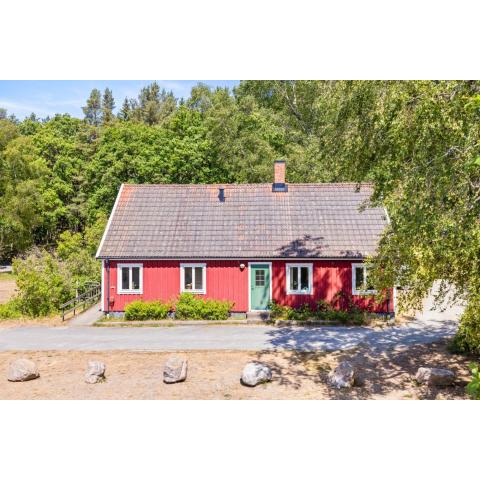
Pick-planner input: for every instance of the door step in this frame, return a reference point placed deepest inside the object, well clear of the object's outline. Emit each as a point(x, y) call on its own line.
point(256, 316)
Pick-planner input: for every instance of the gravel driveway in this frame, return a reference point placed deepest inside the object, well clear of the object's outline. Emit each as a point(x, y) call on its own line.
point(222, 337)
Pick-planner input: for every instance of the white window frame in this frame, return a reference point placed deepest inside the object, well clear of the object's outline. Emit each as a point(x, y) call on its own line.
point(203, 291)
point(129, 291)
point(288, 266)
point(354, 280)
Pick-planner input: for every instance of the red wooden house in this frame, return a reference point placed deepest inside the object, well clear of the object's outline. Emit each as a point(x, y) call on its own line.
point(246, 243)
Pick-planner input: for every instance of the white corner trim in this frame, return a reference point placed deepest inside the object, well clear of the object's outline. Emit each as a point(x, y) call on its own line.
point(354, 290)
point(102, 287)
point(310, 278)
point(120, 290)
point(203, 291)
point(110, 220)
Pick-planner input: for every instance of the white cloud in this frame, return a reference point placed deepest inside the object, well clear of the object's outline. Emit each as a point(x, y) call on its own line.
point(19, 108)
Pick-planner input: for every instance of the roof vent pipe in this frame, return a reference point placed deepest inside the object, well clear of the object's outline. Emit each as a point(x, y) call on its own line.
point(279, 184)
point(221, 194)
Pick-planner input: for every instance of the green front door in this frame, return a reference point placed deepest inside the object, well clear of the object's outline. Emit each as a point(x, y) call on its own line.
point(259, 286)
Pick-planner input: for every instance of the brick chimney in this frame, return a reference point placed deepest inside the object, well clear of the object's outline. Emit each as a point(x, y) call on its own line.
point(279, 184)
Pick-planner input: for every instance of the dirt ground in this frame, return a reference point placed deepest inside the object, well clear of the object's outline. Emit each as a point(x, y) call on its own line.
point(7, 287)
point(215, 375)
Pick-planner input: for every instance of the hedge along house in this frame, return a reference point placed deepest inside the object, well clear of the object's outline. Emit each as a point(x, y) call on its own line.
point(246, 243)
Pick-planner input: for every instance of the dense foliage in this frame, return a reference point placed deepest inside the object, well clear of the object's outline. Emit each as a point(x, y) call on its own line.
point(186, 307)
point(323, 311)
point(473, 387)
point(140, 310)
point(418, 142)
point(191, 307)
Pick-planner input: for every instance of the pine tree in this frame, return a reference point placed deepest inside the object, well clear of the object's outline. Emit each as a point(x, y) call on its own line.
point(108, 104)
point(124, 113)
point(93, 109)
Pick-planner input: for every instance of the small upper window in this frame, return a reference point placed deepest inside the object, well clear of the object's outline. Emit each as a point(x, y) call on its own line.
point(360, 283)
point(299, 278)
point(130, 278)
point(193, 277)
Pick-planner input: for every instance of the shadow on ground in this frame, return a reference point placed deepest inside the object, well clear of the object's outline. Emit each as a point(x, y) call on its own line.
point(380, 374)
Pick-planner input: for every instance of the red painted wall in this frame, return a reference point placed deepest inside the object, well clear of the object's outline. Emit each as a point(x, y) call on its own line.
point(329, 277)
point(161, 281)
point(225, 281)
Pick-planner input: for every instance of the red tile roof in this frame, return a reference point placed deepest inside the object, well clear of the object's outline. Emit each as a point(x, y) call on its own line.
point(189, 221)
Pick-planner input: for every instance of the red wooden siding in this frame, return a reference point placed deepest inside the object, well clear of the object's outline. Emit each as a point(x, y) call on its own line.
point(329, 278)
point(161, 281)
point(225, 281)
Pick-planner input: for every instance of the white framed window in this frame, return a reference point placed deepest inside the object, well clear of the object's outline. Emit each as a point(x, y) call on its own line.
point(360, 285)
point(130, 278)
point(299, 278)
point(193, 277)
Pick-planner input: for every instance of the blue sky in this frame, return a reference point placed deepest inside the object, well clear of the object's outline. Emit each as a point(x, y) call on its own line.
point(48, 97)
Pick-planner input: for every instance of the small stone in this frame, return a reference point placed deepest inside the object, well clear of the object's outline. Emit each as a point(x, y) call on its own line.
point(255, 373)
point(95, 372)
point(175, 370)
point(343, 376)
point(435, 377)
point(21, 370)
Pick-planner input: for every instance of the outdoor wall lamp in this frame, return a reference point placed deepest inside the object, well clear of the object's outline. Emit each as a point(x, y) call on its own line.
point(242, 266)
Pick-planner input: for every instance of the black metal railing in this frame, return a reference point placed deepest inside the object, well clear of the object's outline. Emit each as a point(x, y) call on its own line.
point(90, 296)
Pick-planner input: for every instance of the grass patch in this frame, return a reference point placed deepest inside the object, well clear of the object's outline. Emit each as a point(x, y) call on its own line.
point(6, 276)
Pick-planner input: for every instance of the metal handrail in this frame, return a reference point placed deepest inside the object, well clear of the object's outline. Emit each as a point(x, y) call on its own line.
point(87, 298)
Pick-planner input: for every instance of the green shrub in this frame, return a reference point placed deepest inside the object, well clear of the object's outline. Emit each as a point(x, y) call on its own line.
point(323, 306)
point(467, 338)
point(473, 388)
point(11, 309)
point(44, 282)
point(323, 311)
point(277, 311)
point(190, 307)
point(335, 316)
point(301, 314)
point(139, 310)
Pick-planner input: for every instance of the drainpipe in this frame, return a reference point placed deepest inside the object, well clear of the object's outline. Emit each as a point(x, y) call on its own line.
point(108, 286)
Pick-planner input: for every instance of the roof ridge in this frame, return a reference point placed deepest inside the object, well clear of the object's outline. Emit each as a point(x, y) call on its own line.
point(318, 184)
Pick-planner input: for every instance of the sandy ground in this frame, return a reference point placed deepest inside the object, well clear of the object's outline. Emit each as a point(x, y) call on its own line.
point(215, 375)
point(7, 287)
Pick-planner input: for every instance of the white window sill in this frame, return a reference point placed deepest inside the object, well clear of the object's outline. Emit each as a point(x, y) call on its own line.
point(130, 292)
point(298, 292)
point(364, 292)
point(196, 292)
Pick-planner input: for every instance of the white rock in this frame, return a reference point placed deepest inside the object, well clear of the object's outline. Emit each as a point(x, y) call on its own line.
point(175, 370)
point(21, 370)
point(438, 377)
point(255, 373)
point(95, 372)
point(343, 376)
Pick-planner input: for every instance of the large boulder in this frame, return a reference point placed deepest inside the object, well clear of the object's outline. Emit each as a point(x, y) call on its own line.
point(255, 373)
point(175, 370)
point(21, 370)
point(435, 377)
point(95, 372)
point(343, 376)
